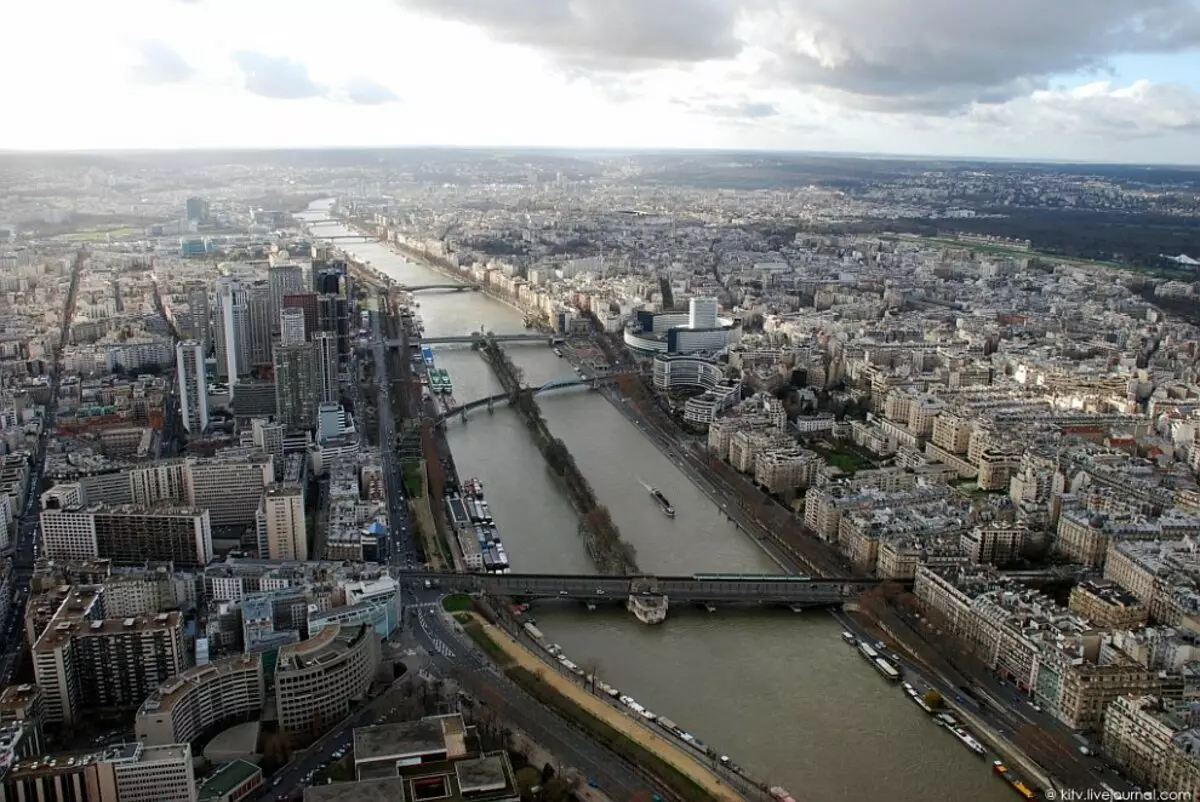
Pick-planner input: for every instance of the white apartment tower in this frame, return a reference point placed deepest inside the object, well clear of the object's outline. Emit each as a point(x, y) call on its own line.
point(282, 523)
point(233, 323)
point(193, 389)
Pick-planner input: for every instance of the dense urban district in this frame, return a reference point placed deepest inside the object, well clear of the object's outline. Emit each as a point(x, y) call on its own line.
point(953, 405)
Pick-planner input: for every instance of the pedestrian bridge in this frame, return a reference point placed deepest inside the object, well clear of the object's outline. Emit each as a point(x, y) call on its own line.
point(796, 591)
point(501, 398)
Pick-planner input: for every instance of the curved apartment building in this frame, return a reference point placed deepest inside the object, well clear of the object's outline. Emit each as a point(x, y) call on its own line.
point(199, 700)
point(673, 371)
point(317, 679)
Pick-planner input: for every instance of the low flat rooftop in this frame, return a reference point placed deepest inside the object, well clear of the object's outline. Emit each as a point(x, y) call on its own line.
point(385, 790)
point(395, 741)
point(227, 778)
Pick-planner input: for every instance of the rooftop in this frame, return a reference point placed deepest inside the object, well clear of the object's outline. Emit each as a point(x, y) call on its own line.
point(389, 789)
point(328, 644)
point(227, 778)
point(427, 736)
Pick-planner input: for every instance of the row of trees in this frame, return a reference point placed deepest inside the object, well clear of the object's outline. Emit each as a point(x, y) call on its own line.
point(610, 553)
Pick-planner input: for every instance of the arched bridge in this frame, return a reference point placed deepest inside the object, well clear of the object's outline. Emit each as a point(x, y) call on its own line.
point(446, 287)
point(500, 398)
point(800, 591)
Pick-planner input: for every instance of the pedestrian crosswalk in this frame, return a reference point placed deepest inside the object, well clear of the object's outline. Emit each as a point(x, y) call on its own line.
point(439, 645)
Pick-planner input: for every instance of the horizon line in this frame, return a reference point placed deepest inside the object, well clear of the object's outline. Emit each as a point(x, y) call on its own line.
point(877, 155)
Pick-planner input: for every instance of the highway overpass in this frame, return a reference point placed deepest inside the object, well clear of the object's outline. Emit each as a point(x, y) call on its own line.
point(793, 591)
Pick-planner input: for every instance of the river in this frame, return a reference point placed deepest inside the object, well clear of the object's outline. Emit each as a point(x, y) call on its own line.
point(778, 691)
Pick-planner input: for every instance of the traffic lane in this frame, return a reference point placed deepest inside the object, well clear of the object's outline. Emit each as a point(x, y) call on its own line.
point(552, 730)
point(1008, 721)
point(321, 751)
point(548, 730)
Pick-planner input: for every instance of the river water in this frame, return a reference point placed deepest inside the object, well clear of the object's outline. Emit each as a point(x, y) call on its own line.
point(777, 691)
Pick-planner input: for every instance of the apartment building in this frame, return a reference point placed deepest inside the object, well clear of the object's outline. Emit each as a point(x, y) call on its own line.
point(281, 522)
point(128, 535)
point(83, 660)
point(229, 485)
point(783, 471)
point(1107, 605)
point(1162, 574)
point(1049, 653)
point(201, 700)
point(316, 680)
point(1153, 743)
point(995, 543)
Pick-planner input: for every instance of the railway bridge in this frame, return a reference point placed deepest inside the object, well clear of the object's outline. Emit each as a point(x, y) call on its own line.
point(794, 591)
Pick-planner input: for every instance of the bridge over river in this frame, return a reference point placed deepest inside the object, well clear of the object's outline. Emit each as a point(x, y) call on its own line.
point(794, 591)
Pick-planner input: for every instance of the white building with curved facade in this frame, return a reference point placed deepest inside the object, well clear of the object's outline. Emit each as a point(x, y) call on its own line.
point(679, 371)
point(698, 329)
point(317, 679)
point(202, 699)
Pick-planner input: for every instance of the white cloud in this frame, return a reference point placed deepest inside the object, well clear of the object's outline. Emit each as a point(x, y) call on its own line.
point(811, 74)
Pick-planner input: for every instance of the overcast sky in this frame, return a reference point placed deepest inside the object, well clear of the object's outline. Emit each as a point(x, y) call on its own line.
point(1113, 80)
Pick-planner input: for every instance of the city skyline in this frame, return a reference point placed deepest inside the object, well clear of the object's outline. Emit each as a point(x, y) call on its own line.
point(1119, 83)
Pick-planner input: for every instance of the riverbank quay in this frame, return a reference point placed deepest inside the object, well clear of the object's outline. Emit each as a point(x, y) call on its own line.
point(523, 666)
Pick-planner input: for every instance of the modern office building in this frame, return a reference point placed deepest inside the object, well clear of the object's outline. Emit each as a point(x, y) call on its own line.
point(203, 700)
point(326, 345)
point(197, 210)
point(376, 602)
point(193, 387)
point(283, 280)
point(333, 316)
point(84, 661)
point(307, 302)
point(127, 535)
point(428, 759)
point(233, 323)
point(297, 385)
point(261, 324)
point(124, 773)
point(199, 313)
point(698, 329)
point(281, 522)
point(316, 680)
point(291, 326)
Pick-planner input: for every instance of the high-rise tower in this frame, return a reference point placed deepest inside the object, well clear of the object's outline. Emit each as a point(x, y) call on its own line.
point(193, 390)
point(283, 280)
point(296, 385)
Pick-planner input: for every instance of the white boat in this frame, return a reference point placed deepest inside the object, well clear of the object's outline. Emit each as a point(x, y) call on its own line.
point(648, 609)
point(967, 739)
point(849, 638)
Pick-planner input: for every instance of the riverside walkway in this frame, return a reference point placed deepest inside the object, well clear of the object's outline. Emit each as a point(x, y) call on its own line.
point(636, 731)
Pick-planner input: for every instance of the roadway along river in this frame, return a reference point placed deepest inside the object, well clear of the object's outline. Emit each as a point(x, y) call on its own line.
point(778, 691)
